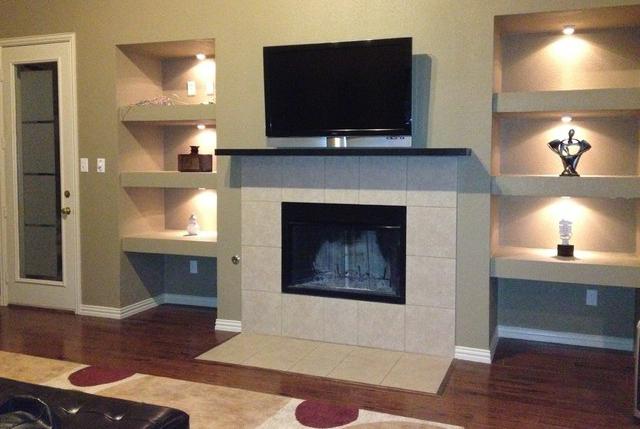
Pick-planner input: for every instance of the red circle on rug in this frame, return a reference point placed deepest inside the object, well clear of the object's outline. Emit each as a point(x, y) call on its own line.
point(316, 414)
point(94, 376)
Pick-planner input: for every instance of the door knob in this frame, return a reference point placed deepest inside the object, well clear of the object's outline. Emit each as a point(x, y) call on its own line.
point(66, 211)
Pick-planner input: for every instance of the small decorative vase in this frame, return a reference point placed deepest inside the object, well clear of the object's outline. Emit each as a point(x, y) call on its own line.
point(194, 162)
point(192, 226)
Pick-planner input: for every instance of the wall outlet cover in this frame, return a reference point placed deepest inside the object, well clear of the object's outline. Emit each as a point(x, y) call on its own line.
point(592, 297)
point(84, 165)
point(101, 165)
point(193, 266)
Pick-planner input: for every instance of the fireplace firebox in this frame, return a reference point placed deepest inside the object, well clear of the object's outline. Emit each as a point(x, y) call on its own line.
point(344, 251)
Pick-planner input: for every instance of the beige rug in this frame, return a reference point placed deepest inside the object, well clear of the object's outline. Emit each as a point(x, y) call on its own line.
point(408, 371)
point(208, 406)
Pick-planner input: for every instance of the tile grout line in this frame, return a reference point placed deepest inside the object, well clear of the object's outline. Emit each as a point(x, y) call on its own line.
point(353, 349)
point(390, 369)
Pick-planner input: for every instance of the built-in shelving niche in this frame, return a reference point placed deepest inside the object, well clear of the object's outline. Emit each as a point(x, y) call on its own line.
point(156, 200)
point(593, 76)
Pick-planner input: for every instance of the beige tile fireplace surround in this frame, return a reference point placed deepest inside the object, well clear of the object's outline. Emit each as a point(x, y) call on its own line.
point(427, 186)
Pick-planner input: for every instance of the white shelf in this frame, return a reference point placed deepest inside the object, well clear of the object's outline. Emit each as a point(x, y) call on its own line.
point(589, 100)
point(180, 114)
point(172, 242)
point(556, 186)
point(167, 179)
point(591, 268)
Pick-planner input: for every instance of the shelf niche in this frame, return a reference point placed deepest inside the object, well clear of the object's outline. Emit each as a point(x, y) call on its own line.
point(156, 200)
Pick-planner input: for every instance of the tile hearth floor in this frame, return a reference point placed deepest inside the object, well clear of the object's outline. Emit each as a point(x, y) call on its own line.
point(401, 370)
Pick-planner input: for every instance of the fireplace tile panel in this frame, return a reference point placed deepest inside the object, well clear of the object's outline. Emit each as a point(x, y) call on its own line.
point(303, 179)
point(261, 268)
point(431, 281)
point(342, 179)
point(340, 321)
point(426, 324)
point(261, 178)
point(262, 312)
point(430, 330)
point(383, 181)
point(261, 225)
point(302, 317)
point(431, 231)
point(381, 325)
point(432, 182)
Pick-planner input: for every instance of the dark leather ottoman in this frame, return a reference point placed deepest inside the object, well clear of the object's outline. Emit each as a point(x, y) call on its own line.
point(30, 406)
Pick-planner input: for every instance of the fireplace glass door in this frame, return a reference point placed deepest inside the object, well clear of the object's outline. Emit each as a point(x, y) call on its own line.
point(344, 251)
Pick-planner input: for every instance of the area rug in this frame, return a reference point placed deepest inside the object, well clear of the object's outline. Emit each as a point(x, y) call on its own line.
point(208, 406)
point(400, 370)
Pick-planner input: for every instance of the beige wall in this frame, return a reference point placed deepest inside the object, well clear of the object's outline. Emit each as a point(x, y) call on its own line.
point(458, 35)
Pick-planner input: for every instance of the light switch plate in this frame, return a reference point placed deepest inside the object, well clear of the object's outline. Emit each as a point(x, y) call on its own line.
point(191, 88)
point(84, 165)
point(592, 297)
point(209, 88)
point(193, 266)
point(101, 166)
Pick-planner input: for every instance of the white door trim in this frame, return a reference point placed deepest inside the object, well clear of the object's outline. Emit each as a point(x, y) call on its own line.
point(70, 39)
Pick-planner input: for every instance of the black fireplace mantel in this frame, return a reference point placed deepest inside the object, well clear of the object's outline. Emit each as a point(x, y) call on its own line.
point(347, 151)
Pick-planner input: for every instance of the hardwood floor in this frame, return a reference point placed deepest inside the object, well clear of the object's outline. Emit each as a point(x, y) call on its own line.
point(529, 385)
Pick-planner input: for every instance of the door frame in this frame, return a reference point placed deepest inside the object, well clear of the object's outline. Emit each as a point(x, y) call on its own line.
point(70, 40)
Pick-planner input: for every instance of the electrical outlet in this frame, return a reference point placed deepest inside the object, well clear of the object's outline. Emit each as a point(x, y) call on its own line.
point(84, 165)
point(191, 88)
point(193, 266)
point(592, 297)
point(101, 165)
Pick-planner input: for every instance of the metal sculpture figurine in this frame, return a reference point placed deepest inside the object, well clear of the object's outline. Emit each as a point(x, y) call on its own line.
point(569, 150)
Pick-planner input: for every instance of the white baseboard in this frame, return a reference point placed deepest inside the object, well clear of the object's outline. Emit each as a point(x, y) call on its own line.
point(146, 304)
point(118, 313)
point(570, 338)
point(228, 325)
point(197, 301)
point(473, 355)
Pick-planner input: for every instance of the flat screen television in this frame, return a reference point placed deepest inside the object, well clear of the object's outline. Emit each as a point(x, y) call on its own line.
point(358, 88)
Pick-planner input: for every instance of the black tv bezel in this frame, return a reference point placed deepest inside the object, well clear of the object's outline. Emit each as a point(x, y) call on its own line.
point(405, 42)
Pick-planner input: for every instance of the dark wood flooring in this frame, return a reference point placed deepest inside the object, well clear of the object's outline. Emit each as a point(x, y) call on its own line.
point(530, 385)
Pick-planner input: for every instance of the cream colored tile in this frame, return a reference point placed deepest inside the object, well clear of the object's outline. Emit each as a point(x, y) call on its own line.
point(430, 330)
point(418, 372)
point(302, 317)
point(431, 231)
point(340, 321)
point(261, 268)
point(262, 312)
point(383, 180)
point(432, 181)
point(303, 179)
point(381, 325)
point(366, 365)
point(341, 179)
point(261, 178)
point(238, 349)
point(431, 281)
point(289, 352)
point(261, 224)
point(322, 360)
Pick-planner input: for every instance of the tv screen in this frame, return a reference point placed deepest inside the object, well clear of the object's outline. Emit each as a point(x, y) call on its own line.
point(360, 88)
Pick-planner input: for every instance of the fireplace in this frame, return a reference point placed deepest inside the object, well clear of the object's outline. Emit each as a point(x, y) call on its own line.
point(344, 251)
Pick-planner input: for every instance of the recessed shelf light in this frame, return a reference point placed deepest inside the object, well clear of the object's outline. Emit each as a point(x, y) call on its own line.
point(200, 56)
point(566, 119)
point(568, 29)
point(201, 126)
